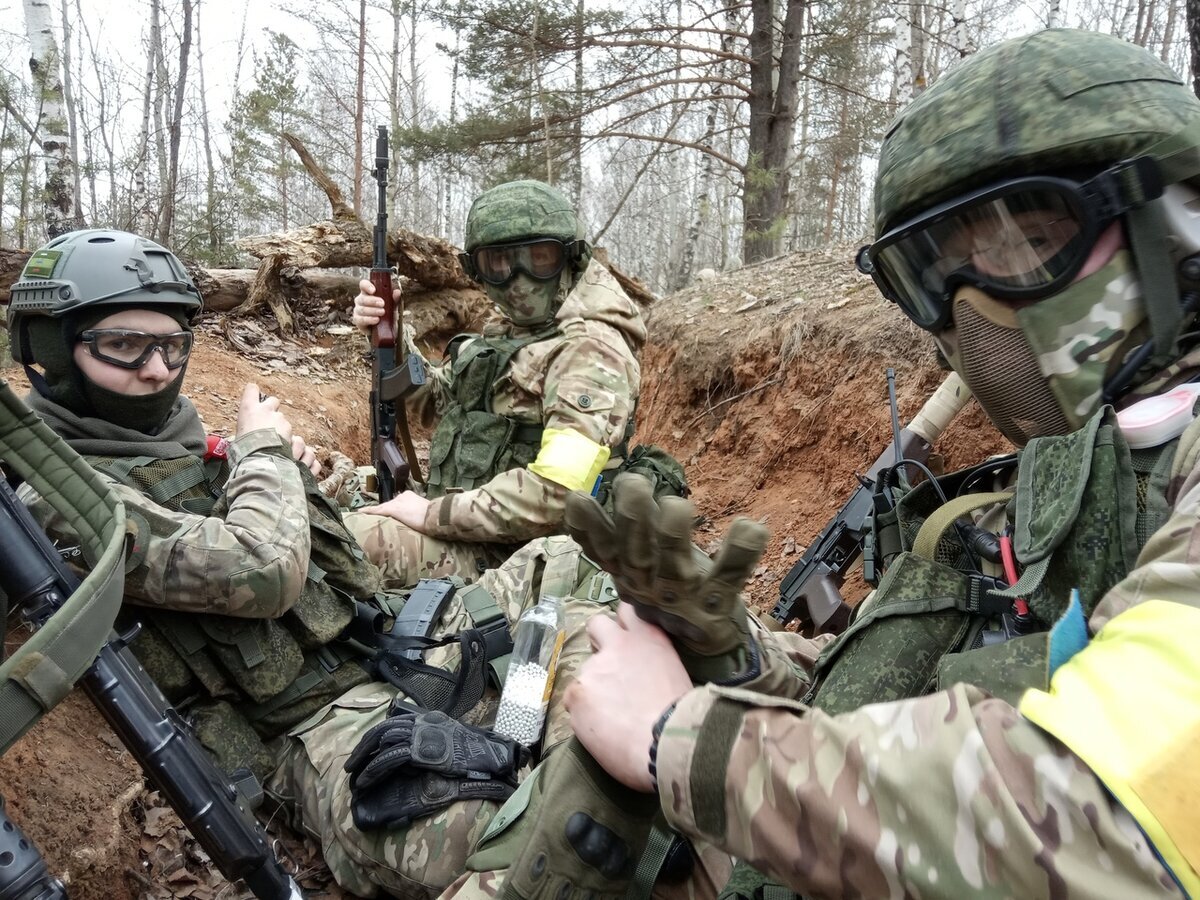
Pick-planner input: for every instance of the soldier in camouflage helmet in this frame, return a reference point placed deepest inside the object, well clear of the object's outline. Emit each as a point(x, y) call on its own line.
point(538, 405)
point(1017, 727)
point(245, 578)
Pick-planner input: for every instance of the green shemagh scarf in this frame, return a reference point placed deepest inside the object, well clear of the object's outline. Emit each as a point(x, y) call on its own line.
point(181, 434)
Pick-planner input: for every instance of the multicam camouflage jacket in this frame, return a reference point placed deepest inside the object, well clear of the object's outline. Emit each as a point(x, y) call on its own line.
point(954, 793)
point(245, 573)
point(581, 375)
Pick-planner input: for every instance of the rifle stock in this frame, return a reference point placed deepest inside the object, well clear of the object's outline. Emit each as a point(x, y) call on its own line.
point(390, 385)
point(811, 591)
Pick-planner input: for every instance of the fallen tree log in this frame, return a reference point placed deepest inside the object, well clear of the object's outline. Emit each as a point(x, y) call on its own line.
point(345, 241)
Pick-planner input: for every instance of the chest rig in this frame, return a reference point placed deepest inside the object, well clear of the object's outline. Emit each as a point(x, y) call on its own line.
point(244, 680)
point(472, 443)
point(1080, 510)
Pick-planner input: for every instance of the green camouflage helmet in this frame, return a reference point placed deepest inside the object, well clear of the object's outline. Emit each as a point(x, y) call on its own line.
point(97, 267)
point(1052, 102)
point(517, 210)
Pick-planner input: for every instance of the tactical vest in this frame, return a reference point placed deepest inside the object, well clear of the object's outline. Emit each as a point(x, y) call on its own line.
point(472, 443)
point(243, 681)
point(1082, 508)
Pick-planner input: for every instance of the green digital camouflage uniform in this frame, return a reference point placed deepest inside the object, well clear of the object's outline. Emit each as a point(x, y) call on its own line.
point(581, 374)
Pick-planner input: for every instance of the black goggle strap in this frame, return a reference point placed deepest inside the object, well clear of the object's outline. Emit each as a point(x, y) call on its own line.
point(1172, 160)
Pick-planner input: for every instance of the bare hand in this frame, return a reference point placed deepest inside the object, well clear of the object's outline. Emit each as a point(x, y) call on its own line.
point(255, 414)
point(408, 508)
point(620, 691)
point(368, 309)
point(305, 455)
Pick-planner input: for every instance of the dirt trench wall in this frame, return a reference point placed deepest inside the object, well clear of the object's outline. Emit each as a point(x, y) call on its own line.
point(769, 385)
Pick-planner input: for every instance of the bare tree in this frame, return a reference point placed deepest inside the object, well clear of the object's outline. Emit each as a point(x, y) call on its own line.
point(359, 106)
point(1054, 16)
point(1193, 26)
point(774, 87)
point(59, 200)
point(170, 199)
point(210, 172)
point(142, 213)
point(69, 97)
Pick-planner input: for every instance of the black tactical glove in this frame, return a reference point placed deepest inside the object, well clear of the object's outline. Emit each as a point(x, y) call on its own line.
point(416, 762)
point(646, 546)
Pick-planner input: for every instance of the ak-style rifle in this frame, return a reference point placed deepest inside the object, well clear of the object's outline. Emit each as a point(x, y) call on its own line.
point(391, 384)
point(811, 590)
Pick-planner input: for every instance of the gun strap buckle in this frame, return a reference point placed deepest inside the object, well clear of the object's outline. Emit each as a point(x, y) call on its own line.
point(984, 597)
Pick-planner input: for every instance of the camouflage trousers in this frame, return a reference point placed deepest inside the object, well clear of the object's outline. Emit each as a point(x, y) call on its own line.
point(405, 556)
point(422, 860)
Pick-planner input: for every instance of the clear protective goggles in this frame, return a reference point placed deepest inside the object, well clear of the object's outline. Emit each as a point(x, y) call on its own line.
point(1021, 240)
point(131, 349)
point(543, 259)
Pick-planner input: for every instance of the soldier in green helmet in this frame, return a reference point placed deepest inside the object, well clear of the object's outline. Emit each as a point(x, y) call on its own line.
point(540, 404)
point(1010, 721)
point(261, 617)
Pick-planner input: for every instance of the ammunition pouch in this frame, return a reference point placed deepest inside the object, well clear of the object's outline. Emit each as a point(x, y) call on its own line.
point(652, 462)
point(472, 443)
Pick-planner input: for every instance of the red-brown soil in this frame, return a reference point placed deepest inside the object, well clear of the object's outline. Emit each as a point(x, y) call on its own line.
point(768, 383)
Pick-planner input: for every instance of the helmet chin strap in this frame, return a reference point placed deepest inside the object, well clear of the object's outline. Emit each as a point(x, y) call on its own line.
point(1121, 379)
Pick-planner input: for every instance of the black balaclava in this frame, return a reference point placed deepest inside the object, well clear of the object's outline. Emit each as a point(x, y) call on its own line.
point(52, 345)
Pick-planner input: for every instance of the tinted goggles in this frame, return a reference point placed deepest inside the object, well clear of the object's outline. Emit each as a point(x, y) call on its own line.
point(543, 259)
point(1024, 239)
point(131, 349)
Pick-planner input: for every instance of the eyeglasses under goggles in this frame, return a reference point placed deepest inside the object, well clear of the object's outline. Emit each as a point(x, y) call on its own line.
point(1024, 239)
point(131, 349)
point(543, 259)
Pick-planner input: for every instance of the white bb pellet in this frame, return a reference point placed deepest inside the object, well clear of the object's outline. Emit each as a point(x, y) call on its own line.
point(521, 710)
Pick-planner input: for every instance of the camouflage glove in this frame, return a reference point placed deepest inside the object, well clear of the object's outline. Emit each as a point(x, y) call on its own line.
point(416, 762)
point(646, 546)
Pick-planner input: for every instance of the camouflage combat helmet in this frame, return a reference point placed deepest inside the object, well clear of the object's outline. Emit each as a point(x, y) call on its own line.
point(1065, 165)
point(78, 280)
point(98, 267)
point(1058, 100)
point(517, 210)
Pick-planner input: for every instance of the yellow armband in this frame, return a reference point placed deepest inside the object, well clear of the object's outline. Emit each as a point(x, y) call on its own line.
point(1127, 705)
point(570, 459)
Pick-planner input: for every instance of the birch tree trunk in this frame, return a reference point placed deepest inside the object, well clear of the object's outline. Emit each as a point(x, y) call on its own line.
point(959, 28)
point(59, 200)
point(917, 21)
point(1054, 16)
point(902, 91)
